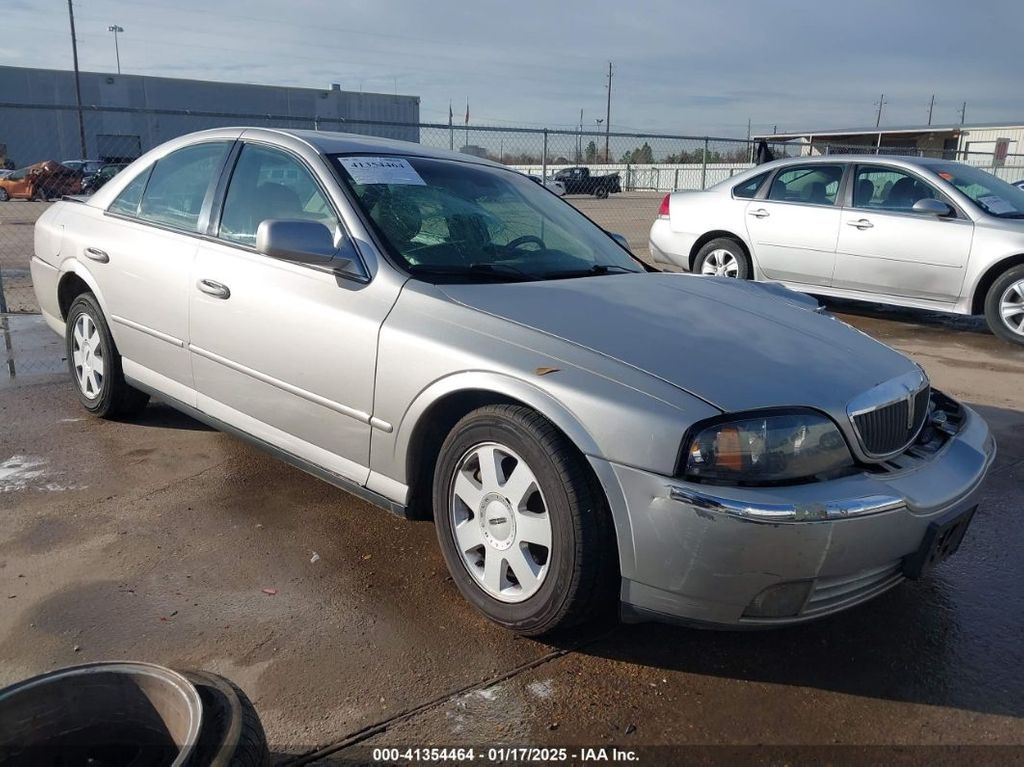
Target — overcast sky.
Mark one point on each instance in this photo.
(680, 66)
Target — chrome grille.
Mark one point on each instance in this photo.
(890, 428)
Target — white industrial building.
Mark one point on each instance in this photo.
(125, 115)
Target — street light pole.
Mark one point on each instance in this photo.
(78, 84)
(117, 53)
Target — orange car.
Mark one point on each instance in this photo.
(42, 181)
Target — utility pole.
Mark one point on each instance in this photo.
(963, 113)
(117, 52)
(608, 113)
(579, 140)
(78, 84)
(881, 103)
(931, 106)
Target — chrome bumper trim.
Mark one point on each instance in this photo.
(788, 512)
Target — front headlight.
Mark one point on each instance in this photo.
(774, 447)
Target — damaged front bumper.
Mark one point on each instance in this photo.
(754, 556)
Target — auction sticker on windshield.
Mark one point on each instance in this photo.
(996, 205)
(381, 170)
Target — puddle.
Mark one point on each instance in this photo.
(28, 348)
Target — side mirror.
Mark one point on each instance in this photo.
(932, 207)
(621, 239)
(305, 242)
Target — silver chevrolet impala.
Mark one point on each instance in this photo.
(445, 338)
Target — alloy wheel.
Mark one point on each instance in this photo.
(720, 263)
(88, 356)
(1011, 307)
(500, 522)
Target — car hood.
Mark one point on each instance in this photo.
(732, 343)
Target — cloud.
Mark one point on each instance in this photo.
(680, 66)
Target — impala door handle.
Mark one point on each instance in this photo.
(97, 255)
(759, 213)
(861, 224)
(213, 288)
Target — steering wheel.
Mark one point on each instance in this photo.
(526, 239)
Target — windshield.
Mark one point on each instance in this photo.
(991, 194)
(456, 220)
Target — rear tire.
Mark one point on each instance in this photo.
(601, 192)
(560, 530)
(723, 257)
(95, 364)
(1004, 305)
(4, 196)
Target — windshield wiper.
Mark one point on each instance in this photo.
(502, 272)
(1014, 214)
(596, 269)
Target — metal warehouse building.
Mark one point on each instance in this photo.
(986, 144)
(125, 115)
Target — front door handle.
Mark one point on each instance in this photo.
(759, 213)
(97, 255)
(861, 224)
(215, 289)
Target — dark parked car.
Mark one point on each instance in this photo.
(579, 181)
(102, 176)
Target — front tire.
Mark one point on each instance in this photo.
(523, 528)
(1004, 306)
(723, 257)
(95, 363)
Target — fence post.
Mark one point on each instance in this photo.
(675, 182)
(704, 166)
(3, 296)
(544, 159)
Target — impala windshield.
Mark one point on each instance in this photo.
(991, 194)
(457, 220)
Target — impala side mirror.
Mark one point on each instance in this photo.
(932, 207)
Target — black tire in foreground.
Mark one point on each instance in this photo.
(95, 364)
(580, 569)
(1004, 305)
(232, 734)
(723, 257)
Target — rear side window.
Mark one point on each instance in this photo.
(127, 203)
(809, 184)
(749, 188)
(179, 183)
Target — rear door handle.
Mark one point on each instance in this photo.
(759, 213)
(215, 289)
(97, 255)
(860, 224)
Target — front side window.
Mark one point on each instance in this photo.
(809, 184)
(127, 203)
(990, 194)
(178, 185)
(877, 187)
(270, 184)
(464, 220)
(748, 189)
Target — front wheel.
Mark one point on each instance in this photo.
(723, 257)
(523, 529)
(95, 363)
(1004, 306)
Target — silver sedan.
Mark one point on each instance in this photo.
(923, 233)
(446, 339)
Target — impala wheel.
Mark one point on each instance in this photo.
(522, 525)
(95, 363)
(1004, 306)
(722, 258)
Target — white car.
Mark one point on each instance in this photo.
(917, 232)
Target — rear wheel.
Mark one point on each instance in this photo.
(723, 257)
(4, 196)
(523, 529)
(1004, 306)
(601, 192)
(95, 363)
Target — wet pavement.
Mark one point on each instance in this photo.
(155, 539)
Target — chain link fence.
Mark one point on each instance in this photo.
(635, 169)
